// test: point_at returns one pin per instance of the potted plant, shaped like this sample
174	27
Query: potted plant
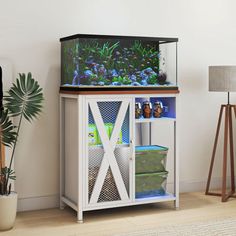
23	100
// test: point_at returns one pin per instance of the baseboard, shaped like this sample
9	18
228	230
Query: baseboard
52	201
195	186
38	203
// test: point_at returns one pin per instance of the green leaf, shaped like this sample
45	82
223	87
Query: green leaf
25	97
7	134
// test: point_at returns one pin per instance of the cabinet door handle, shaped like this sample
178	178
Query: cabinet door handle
132	150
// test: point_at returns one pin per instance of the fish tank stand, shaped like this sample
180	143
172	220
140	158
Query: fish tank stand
98	138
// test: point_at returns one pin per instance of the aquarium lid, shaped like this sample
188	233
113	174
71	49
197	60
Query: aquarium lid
143	38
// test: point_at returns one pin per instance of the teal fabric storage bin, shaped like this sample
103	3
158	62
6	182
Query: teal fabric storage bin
150	184
150	159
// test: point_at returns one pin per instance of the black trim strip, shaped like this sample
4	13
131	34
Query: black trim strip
158	39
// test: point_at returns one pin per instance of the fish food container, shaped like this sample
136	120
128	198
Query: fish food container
150	159
150	184
109	128
92	135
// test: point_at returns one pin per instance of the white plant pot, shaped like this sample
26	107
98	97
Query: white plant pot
8	205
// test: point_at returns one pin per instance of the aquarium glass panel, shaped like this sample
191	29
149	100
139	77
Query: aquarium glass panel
101	63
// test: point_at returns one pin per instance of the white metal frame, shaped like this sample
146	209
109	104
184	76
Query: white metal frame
83	102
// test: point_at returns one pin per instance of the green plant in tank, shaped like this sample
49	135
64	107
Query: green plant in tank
88	50
106	51
138	48
23	100
102	80
145	56
152	79
93	77
122	80
126	80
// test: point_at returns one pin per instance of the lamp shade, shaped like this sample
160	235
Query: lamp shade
222	78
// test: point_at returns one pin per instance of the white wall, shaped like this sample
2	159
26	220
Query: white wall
29	38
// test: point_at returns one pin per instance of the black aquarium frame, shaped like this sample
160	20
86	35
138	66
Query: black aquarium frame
160	40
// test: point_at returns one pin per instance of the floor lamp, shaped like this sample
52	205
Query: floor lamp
223	79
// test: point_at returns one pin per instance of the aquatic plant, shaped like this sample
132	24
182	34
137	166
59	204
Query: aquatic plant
148	54
152	79
106	50
122	80
90	48
138	48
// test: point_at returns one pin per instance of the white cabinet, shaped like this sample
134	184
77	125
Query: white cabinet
98	134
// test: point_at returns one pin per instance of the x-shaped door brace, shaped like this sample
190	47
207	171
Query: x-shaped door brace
109	158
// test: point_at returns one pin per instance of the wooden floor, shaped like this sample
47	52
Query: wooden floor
195	207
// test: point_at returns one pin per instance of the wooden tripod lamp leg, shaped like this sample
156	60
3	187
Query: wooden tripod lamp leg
223	197
214	149
234	107
228	137
231	143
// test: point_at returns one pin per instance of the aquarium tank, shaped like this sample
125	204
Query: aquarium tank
101	62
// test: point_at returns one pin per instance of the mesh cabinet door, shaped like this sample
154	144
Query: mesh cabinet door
109	152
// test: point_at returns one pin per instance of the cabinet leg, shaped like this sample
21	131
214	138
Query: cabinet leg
79	217
176	204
